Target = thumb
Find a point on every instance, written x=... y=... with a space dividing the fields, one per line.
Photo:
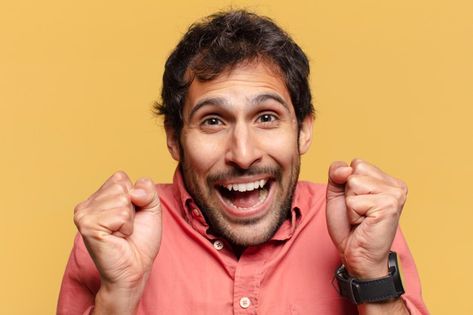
x=338 y=174
x=336 y=211
x=144 y=196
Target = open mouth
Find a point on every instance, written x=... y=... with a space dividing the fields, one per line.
x=245 y=196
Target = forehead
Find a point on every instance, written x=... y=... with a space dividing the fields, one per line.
x=243 y=81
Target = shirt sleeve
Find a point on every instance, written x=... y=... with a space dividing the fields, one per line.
x=80 y=282
x=413 y=296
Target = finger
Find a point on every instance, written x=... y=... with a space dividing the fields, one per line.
x=120 y=178
x=117 y=177
x=365 y=185
x=111 y=201
x=144 y=195
x=105 y=203
x=361 y=167
x=113 y=189
x=379 y=207
x=117 y=221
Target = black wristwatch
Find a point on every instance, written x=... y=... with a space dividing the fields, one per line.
x=371 y=291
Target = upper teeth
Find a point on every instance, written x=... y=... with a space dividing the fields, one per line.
x=246 y=187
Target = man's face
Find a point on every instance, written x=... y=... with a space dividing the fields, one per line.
x=240 y=150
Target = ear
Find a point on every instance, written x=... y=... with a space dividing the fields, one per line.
x=172 y=143
x=305 y=134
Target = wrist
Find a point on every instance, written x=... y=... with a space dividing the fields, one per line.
x=366 y=268
x=369 y=272
x=373 y=290
x=117 y=300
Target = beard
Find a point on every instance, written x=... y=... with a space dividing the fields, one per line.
x=250 y=231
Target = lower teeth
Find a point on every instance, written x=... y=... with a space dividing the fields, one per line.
x=263 y=193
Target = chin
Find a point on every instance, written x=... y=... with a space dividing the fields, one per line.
x=250 y=233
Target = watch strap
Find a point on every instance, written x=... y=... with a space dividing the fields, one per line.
x=371 y=291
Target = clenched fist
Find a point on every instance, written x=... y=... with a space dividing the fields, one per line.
x=121 y=228
x=363 y=209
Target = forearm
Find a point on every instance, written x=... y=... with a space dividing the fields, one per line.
x=394 y=307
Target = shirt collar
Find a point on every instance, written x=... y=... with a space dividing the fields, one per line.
x=193 y=215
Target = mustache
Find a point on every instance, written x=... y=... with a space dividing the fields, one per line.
x=272 y=171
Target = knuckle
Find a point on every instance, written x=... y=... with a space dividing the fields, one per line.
x=361 y=167
x=118 y=187
x=119 y=175
x=354 y=217
x=142 y=180
x=76 y=219
x=392 y=213
x=96 y=235
x=79 y=207
x=125 y=214
x=397 y=194
x=350 y=200
x=123 y=200
x=81 y=222
x=401 y=194
x=404 y=188
x=356 y=162
x=353 y=180
x=391 y=202
x=126 y=184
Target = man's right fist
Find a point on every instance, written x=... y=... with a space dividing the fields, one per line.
x=121 y=228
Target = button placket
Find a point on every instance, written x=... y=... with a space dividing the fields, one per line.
x=249 y=273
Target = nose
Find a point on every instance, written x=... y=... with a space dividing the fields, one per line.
x=243 y=149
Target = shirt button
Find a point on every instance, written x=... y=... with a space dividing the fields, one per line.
x=245 y=302
x=218 y=245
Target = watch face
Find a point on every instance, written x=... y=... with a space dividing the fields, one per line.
x=399 y=270
x=396 y=274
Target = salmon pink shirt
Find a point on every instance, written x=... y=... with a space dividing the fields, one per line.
x=196 y=272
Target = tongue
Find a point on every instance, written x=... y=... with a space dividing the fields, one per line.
x=245 y=199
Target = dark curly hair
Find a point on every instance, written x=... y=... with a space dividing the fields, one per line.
x=222 y=41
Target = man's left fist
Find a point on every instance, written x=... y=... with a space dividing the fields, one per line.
x=363 y=209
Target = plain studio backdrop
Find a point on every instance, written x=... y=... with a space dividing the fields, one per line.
x=392 y=82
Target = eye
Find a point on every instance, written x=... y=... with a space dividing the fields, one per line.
x=211 y=124
x=267 y=118
x=212 y=121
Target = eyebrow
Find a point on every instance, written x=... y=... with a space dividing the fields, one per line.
x=215 y=101
x=220 y=101
x=270 y=96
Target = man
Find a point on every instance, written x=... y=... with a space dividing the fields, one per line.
x=236 y=232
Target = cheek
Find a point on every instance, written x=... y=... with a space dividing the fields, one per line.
x=281 y=146
x=202 y=152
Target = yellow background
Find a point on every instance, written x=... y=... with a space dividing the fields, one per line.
x=392 y=82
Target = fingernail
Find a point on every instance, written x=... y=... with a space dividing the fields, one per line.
x=138 y=193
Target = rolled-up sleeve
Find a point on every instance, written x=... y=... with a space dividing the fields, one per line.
x=80 y=282
x=413 y=296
